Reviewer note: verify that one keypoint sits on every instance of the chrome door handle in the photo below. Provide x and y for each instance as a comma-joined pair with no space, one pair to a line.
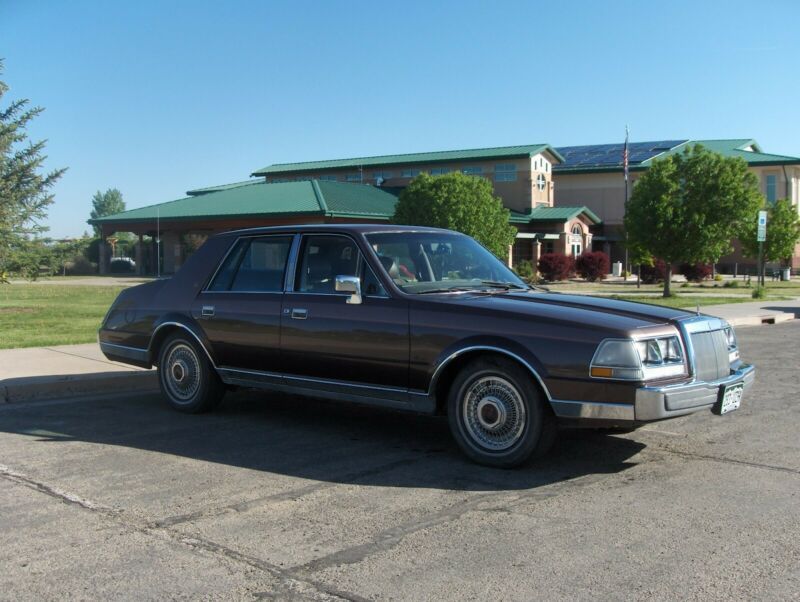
299,314
207,311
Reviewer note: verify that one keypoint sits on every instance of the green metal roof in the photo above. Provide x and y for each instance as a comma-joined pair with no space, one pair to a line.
199,191
310,197
503,152
552,214
736,148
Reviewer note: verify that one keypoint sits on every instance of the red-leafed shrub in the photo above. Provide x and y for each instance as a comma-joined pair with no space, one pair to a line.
555,266
695,272
593,265
654,273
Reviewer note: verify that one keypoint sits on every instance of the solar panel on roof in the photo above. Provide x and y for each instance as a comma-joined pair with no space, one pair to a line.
607,155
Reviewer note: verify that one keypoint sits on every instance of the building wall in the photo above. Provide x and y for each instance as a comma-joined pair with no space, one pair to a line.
604,193
521,194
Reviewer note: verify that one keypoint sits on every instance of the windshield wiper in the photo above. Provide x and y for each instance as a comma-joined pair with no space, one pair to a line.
451,289
505,285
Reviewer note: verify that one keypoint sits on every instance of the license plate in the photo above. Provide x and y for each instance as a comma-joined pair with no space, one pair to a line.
731,398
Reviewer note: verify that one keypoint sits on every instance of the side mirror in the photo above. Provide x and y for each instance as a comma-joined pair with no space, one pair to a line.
352,285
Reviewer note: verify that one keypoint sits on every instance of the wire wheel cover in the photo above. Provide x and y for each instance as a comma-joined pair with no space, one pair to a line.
493,413
181,372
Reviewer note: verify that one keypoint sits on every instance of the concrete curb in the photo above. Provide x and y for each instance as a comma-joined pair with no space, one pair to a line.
34,388
758,320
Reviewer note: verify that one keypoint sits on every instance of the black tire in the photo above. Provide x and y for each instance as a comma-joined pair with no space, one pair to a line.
187,379
497,414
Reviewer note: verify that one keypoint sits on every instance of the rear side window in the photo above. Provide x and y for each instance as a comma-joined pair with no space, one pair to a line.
255,264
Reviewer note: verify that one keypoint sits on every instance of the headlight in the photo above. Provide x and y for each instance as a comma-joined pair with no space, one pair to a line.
644,359
733,346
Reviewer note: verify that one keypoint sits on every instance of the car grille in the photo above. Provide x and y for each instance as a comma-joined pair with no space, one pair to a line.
711,355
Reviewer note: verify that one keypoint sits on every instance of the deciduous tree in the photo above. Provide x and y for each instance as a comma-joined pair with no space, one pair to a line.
457,202
106,203
688,207
783,232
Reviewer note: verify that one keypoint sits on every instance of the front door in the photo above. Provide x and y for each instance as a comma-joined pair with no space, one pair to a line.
240,310
325,339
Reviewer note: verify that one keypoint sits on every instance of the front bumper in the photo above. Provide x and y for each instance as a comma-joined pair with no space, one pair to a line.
655,403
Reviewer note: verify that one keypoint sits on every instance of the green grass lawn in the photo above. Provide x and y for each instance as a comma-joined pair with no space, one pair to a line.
37,315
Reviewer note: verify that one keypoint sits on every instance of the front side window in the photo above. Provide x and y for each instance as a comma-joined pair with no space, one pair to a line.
255,264
772,188
322,259
421,263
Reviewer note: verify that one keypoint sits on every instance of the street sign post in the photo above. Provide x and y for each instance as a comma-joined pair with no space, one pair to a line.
762,236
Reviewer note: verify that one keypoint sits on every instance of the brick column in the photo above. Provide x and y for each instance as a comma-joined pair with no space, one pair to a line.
102,263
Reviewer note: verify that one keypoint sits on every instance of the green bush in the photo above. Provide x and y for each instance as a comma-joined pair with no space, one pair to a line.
731,284
525,270
759,292
718,278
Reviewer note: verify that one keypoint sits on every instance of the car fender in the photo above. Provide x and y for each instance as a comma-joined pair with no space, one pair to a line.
182,322
498,345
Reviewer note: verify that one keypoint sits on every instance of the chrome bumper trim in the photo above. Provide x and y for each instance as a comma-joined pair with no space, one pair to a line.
656,403
592,410
132,353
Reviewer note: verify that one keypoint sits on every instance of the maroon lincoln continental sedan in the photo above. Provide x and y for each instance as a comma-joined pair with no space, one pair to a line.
420,319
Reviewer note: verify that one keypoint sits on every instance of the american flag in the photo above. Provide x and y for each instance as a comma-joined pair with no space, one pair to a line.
625,155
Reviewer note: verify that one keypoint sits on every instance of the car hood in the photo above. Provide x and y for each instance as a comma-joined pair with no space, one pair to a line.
601,312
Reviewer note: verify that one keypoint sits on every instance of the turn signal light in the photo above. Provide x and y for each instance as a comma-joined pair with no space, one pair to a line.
602,372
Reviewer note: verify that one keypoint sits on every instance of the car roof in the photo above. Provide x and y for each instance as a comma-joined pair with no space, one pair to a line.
344,228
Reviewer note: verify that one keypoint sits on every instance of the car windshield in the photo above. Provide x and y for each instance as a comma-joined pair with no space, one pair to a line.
433,262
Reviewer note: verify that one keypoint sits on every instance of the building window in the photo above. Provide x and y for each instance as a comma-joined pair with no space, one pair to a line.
354,177
409,173
549,246
381,174
439,171
472,171
505,172
541,181
576,240
772,189
328,178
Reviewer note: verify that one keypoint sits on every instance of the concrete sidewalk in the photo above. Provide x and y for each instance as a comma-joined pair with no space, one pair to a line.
755,313
43,372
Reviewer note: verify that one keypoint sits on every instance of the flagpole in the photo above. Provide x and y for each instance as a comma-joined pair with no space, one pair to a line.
625,170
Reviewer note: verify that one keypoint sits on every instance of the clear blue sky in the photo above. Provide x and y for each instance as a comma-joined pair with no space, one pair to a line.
157,97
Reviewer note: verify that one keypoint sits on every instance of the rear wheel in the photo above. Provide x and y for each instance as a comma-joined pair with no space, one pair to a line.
497,414
187,379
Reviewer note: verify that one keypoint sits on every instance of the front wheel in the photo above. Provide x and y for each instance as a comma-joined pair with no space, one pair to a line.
187,379
497,414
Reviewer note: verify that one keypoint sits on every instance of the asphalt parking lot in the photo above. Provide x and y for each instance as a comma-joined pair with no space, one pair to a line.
292,498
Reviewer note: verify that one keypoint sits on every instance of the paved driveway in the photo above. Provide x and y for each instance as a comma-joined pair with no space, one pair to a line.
290,498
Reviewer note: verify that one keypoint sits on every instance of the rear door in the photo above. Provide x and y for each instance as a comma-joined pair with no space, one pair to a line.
240,309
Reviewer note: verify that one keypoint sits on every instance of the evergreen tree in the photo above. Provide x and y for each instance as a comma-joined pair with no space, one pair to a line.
25,193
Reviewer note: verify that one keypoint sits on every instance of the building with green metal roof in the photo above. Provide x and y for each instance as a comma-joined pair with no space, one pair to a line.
565,199
592,175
